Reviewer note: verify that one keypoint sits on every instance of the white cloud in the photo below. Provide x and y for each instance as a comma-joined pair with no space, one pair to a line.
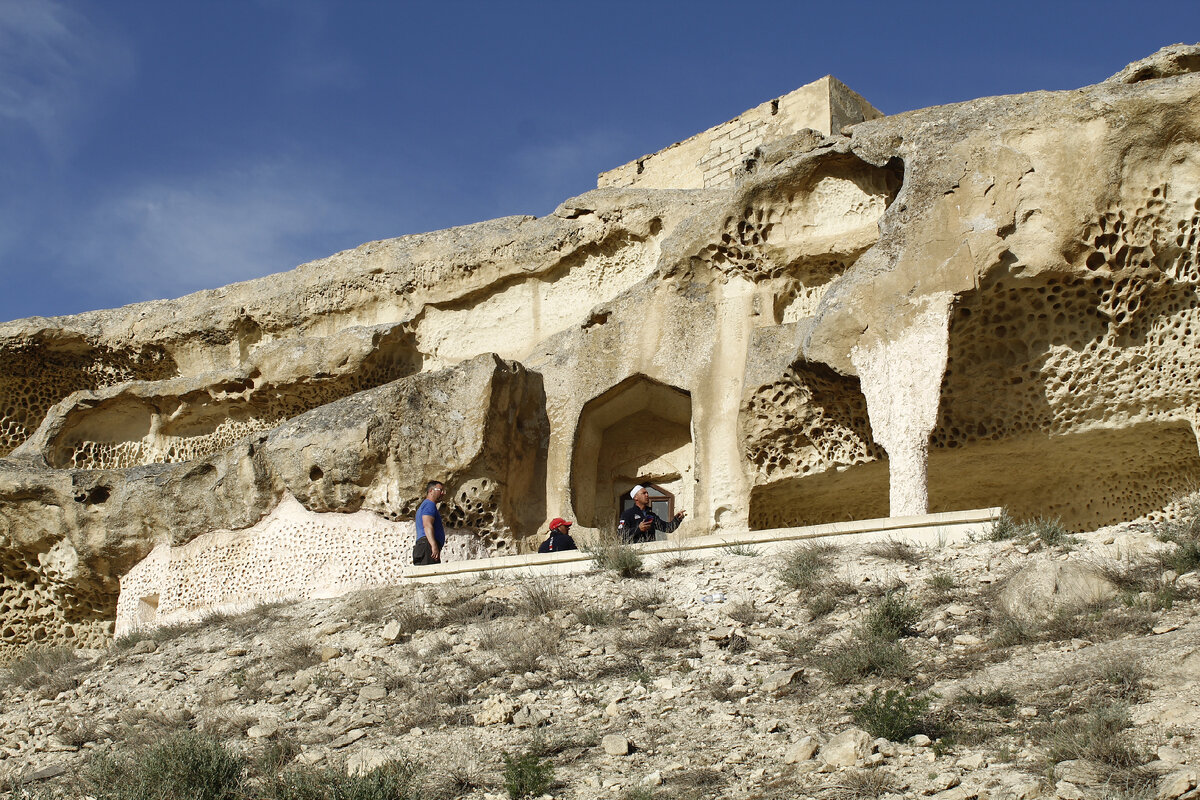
166,238
54,67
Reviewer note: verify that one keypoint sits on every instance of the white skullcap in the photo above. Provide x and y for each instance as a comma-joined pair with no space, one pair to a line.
633,492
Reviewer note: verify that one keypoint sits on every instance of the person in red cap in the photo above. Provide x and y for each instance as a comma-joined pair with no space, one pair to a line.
559,538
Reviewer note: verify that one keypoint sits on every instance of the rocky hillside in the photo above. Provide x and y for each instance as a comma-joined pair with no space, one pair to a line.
1032,664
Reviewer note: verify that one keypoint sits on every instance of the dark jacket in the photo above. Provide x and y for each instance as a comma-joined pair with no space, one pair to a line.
634,516
556,542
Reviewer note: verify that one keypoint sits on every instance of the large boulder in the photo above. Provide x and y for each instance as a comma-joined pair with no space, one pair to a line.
1045,587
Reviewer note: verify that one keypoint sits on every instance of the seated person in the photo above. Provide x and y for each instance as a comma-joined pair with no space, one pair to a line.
560,537
639,522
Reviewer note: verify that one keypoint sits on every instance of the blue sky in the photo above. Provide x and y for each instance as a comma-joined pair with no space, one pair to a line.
151,148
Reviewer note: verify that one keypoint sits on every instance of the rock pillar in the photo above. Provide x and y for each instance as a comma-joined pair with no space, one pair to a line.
901,378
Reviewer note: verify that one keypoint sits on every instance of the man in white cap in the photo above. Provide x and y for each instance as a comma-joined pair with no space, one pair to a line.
639,522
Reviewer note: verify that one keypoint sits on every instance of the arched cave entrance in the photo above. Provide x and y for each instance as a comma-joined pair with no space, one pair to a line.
639,430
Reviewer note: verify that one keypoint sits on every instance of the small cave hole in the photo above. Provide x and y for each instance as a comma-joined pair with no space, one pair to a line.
94,496
315,474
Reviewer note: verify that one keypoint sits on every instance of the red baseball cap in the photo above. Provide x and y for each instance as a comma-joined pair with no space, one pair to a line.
559,522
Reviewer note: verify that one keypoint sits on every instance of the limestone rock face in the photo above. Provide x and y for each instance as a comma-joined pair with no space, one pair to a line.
987,303
69,535
1175,59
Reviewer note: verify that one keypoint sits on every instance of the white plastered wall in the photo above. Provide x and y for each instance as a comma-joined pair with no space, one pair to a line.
293,553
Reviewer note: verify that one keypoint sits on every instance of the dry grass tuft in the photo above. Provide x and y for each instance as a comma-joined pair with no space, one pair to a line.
897,550
860,784
47,670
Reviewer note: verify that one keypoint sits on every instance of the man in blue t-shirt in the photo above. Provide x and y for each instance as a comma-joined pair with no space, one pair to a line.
431,537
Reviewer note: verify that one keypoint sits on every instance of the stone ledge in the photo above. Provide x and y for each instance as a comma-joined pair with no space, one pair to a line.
929,529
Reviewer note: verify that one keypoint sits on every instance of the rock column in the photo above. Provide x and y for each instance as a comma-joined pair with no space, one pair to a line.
901,377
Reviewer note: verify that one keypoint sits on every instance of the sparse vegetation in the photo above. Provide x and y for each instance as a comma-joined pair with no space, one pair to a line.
76,732
1095,621
1004,527
796,645
1049,530
394,780
644,600
527,775
596,616
185,766
988,698
941,584
742,550
666,635
743,611
611,553
522,648
896,550
49,670
861,784
295,656
594,641
1098,736
892,618
895,714
638,794
822,604
541,596
805,566
865,655
1184,533
1117,676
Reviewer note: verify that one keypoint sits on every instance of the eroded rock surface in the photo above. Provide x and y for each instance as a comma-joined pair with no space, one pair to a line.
988,303
69,534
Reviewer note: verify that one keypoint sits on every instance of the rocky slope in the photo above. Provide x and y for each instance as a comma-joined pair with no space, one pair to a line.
726,673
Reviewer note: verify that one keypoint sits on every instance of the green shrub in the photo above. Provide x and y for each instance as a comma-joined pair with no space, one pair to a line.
988,698
822,604
896,714
865,655
1184,533
1099,736
804,566
596,616
743,550
613,554
1050,530
527,775
184,766
941,582
394,780
893,617
1004,527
